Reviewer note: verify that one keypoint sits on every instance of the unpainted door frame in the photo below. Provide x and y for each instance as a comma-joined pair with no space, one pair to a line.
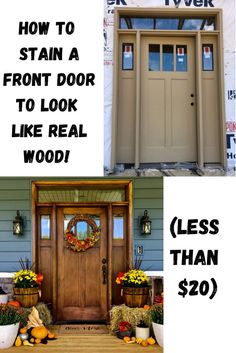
131,11
126,184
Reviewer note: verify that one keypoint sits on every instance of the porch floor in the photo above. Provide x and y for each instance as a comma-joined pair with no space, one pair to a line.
104,343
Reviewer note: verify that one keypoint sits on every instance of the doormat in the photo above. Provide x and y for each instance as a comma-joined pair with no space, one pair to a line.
83,329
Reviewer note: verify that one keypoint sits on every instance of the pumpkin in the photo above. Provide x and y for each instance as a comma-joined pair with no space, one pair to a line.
39,332
51,335
23,330
14,303
146,307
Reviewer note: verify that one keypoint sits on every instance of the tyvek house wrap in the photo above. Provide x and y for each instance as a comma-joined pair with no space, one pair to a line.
229,44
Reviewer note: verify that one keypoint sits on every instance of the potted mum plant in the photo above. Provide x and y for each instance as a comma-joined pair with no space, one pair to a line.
135,287
157,316
26,285
10,318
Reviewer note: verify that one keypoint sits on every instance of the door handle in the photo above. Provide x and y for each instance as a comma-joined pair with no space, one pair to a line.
192,103
192,95
104,273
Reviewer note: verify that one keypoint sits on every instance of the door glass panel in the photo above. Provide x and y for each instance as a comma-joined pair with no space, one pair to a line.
181,58
45,229
154,57
82,229
118,227
207,57
127,56
168,58
67,218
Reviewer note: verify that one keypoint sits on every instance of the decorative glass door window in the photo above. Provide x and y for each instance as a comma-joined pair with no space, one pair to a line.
181,58
154,57
82,229
165,54
168,58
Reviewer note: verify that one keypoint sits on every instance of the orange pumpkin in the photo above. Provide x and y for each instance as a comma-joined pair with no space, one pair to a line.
14,303
39,332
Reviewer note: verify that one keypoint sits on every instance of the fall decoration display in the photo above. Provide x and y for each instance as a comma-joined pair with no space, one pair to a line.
74,242
34,332
26,284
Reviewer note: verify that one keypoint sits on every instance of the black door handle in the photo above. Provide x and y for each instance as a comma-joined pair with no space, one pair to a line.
192,103
104,272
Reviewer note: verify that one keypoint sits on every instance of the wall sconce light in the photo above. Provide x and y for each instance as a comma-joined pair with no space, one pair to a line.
18,224
146,224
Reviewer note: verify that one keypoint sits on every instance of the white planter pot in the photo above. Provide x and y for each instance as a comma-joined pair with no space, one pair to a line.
158,332
142,332
3,298
8,335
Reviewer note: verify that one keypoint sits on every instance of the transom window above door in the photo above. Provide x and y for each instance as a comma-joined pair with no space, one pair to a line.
168,23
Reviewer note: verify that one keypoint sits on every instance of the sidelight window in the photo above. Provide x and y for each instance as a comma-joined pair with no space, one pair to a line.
207,57
127,56
45,227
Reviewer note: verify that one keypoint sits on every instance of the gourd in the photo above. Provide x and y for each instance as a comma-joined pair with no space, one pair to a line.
139,340
126,339
144,343
151,341
39,332
26,343
18,341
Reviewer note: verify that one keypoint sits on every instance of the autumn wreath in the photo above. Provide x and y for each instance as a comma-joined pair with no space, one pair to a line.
76,244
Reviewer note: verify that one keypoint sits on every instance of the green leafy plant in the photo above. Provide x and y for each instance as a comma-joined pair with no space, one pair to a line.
11,315
157,314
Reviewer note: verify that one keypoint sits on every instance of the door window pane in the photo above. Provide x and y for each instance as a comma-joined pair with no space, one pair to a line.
118,227
81,229
154,57
45,229
168,58
181,58
127,56
207,57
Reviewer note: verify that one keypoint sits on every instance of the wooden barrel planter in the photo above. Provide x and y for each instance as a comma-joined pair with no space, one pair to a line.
135,297
27,296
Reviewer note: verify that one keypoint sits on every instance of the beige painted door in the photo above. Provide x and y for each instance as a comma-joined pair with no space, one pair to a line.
82,286
168,106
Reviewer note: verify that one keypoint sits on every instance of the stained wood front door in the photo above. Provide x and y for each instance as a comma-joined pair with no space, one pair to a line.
168,100
82,282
